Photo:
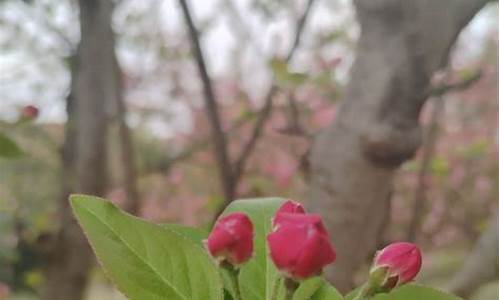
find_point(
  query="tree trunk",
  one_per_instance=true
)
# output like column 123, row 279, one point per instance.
column 84, row 153
column 481, row 266
column 402, row 43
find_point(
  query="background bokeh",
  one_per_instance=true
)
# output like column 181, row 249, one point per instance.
column 177, row 179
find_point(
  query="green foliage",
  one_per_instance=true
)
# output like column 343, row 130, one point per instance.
column 195, row 235
column 146, row 261
column 284, row 76
column 327, row 292
column 474, row 150
column 410, row 292
column 439, row 167
column 9, row 148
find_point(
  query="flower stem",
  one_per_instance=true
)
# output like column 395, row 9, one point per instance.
column 233, row 272
column 276, row 288
column 236, row 285
column 366, row 292
column 361, row 294
column 290, row 288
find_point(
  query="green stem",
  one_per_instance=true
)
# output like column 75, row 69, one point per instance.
column 236, row 284
column 290, row 288
column 276, row 288
column 234, row 272
column 359, row 296
column 364, row 293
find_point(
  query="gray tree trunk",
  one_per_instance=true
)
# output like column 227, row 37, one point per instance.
column 481, row 266
column 402, row 43
column 84, row 153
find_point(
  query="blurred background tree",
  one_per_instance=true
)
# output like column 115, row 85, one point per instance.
column 171, row 109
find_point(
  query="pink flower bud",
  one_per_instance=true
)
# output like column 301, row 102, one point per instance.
column 231, row 239
column 402, row 260
column 299, row 245
column 290, row 207
column 29, row 112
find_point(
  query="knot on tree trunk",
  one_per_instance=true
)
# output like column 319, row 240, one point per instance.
column 388, row 146
column 386, row 11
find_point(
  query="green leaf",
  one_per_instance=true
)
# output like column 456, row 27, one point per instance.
column 146, row 261
column 439, row 166
column 195, row 235
column 279, row 68
column 284, row 76
column 9, row 148
column 308, row 288
column 475, row 150
column 315, row 288
column 411, row 292
column 417, row 292
column 326, row 292
column 257, row 276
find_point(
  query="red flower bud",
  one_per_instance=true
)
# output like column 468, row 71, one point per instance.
column 231, row 239
column 402, row 260
column 29, row 112
column 290, row 207
column 299, row 246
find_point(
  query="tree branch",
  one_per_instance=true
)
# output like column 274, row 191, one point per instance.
column 194, row 148
column 220, row 151
column 442, row 89
column 268, row 103
column 428, row 154
column 429, row 149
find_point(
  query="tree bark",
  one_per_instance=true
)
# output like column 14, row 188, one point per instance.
column 481, row 266
column 84, row 153
column 402, row 43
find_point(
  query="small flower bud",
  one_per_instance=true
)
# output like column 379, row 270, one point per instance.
column 292, row 207
column 401, row 262
column 29, row 112
column 289, row 207
column 231, row 239
column 299, row 246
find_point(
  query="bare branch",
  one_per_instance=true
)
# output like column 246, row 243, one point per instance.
column 196, row 146
column 221, row 153
column 428, row 153
column 301, row 23
column 294, row 126
column 268, row 103
column 455, row 86
column 429, row 148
